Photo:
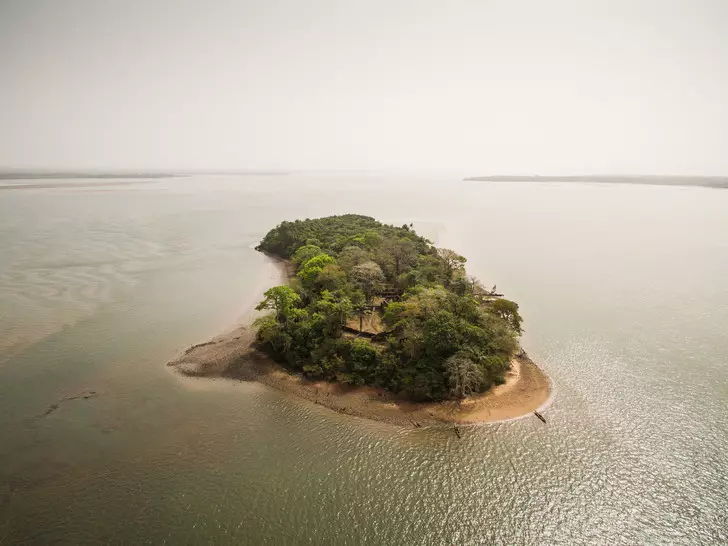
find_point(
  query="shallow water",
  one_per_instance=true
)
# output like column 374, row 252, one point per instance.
column 624, row 293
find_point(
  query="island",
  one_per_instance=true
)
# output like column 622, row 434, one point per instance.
column 373, row 320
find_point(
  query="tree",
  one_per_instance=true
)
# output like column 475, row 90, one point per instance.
column 369, row 277
column 359, row 304
column 271, row 332
column 464, row 376
column 305, row 253
column 351, row 256
column 508, row 311
column 331, row 277
column 498, row 336
column 372, row 239
column 425, row 302
column 398, row 253
column 460, row 285
column 311, row 269
column 395, row 314
column 281, row 299
column 452, row 262
column 334, row 309
column 476, row 287
column 361, row 358
column 441, row 335
column 429, row 269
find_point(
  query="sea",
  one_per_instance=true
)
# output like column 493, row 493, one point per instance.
column 624, row 293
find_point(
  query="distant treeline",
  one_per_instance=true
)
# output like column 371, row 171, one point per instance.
column 444, row 336
column 653, row 180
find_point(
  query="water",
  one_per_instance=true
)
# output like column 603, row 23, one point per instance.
column 624, row 293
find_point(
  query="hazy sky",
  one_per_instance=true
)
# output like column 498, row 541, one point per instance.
column 542, row 86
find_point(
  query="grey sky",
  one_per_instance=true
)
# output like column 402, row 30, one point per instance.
column 483, row 86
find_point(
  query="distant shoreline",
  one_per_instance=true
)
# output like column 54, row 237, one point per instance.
column 33, row 175
column 233, row 356
column 650, row 180
column 100, row 175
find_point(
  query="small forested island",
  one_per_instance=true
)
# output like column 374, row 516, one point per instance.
column 433, row 333
column 373, row 320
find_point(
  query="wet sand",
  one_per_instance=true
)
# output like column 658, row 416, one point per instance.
column 233, row 356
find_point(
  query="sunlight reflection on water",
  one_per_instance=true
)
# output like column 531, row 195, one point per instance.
column 624, row 295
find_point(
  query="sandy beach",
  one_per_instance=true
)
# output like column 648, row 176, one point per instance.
column 233, row 356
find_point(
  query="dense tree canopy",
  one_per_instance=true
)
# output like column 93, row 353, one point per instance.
column 444, row 335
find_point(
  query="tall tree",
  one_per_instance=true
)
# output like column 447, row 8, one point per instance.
column 508, row 311
column 310, row 270
column 369, row 277
column 335, row 309
column 331, row 277
column 452, row 262
column 352, row 256
column 359, row 303
column 281, row 299
column 401, row 254
column 464, row 376
column 305, row 253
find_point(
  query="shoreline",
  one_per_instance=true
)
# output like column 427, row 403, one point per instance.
column 232, row 356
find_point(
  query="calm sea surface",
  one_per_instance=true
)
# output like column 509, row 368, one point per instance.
column 624, row 291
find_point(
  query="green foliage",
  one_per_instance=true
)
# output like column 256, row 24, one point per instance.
column 331, row 234
column 508, row 311
column 331, row 277
column 442, row 340
column 312, row 268
column 361, row 359
column 352, row 256
column 368, row 277
column 280, row 299
column 441, row 335
column 333, row 308
column 452, row 262
column 272, row 334
column 305, row 253
column 397, row 254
